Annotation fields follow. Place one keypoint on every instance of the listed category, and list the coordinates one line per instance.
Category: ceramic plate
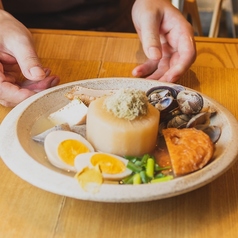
(27, 159)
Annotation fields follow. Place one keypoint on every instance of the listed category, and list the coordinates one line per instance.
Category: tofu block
(74, 113)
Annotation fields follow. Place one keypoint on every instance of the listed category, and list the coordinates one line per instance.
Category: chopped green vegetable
(133, 167)
(136, 179)
(163, 179)
(158, 168)
(130, 158)
(159, 175)
(150, 167)
(127, 180)
(144, 177)
(145, 170)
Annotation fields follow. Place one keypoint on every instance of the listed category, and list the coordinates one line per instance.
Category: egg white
(51, 143)
(83, 160)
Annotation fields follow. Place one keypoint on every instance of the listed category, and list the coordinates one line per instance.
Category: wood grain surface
(211, 211)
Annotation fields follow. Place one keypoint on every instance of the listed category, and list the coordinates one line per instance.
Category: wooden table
(211, 211)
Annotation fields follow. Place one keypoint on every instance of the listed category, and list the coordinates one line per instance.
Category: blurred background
(218, 18)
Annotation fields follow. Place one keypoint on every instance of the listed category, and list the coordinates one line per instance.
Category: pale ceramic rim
(18, 160)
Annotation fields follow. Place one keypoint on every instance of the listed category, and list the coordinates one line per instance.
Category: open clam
(161, 91)
(202, 118)
(214, 132)
(179, 121)
(181, 108)
(163, 98)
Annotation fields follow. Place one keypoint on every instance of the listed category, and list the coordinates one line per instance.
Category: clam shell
(214, 132)
(202, 118)
(163, 98)
(190, 102)
(179, 121)
(161, 91)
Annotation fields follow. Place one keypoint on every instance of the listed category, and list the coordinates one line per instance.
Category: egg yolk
(108, 164)
(69, 149)
(90, 179)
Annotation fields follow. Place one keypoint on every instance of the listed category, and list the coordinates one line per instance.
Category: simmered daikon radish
(119, 134)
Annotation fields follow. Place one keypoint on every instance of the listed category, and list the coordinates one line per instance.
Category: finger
(145, 69)
(11, 94)
(24, 53)
(150, 36)
(152, 69)
(29, 64)
(182, 60)
(163, 66)
(38, 86)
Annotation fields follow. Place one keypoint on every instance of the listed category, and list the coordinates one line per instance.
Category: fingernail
(37, 72)
(154, 53)
(136, 73)
(54, 82)
(47, 71)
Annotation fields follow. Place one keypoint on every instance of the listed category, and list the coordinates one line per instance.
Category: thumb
(150, 37)
(28, 61)
(17, 42)
(30, 66)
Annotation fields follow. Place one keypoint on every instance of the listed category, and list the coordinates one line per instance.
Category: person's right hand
(18, 56)
(167, 40)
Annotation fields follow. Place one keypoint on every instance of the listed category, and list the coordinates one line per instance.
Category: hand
(167, 40)
(17, 56)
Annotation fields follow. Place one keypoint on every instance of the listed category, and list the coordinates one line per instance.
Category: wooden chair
(190, 8)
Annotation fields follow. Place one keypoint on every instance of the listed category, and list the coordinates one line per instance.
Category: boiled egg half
(62, 147)
(112, 167)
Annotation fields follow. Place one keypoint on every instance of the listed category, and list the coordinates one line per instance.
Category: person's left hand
(167, 40)
(21, 73)
(13, 89)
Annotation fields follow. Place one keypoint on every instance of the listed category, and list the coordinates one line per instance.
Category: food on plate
(90, 179)
(41, 137)
(79, 129)
(87, 95)
(74, 113)
(145, 169)
(182, 108)
(62, 147)
(189, 149)
(123, 123)
(139, 137)
(111, 166)
(190, 102)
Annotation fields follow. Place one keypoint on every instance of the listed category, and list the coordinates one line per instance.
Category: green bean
(127, 180)
(144, 177)
(138, 163)
(150, 167)
(146, 168)
(159, 175)
(163, 179)
(133, 167)
(159, 168)
(136, 179)
(130, 157)
(145, 158)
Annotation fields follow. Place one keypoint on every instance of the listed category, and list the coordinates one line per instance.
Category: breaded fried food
(189, 149)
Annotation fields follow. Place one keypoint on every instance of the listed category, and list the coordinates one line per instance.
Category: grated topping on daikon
(127, 103)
